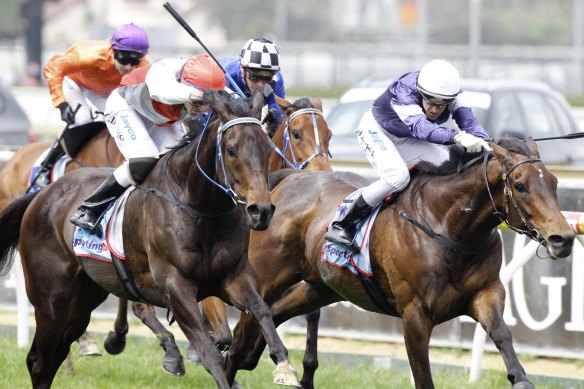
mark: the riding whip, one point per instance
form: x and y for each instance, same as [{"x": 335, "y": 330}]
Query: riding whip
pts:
[{"x": 192, "y": 33}]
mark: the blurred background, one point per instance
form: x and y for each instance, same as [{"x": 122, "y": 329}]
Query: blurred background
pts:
[{"x": 328, "y": 44}]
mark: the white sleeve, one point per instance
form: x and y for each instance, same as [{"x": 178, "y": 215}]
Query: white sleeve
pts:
[{"x": 162, "y": 83}]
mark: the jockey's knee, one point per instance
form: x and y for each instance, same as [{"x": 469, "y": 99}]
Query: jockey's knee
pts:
[{"x": 140, "y": 167}]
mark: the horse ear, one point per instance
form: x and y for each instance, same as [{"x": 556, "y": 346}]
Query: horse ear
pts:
[
  {"x": 283, "y": 103},
  {"x": 534, "y": 152},
  {"x": 216, "y": 102},
  {"x": 316, "y": 103},
  {"x": 258, "y": 103},
  {"x": 498, "y": 151}
]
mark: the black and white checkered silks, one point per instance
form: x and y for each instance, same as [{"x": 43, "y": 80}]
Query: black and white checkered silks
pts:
[{"x": 260, "y": 54}]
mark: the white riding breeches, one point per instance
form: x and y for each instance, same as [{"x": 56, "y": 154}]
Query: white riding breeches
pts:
[
  {"x": 390, "y": 156},
  {"x": 135, "y": 135},
  {"x": 89, "y": 105}
]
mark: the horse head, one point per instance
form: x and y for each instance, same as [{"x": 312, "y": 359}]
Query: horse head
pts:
[
  {"x": 243, "y": 153},
  {"x": 527, "y": 201},
  {"x": 303, "y": 136}
]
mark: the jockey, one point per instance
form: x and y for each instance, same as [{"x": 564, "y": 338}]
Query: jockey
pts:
[
  {"x": 145, "y": 115},
  {"x": 258, "y": 65},
  {"x": 81, "y": 80},
  {"x": 404, "y": 127}
]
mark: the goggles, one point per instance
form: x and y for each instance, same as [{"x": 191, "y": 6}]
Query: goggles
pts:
[
  {"x": 128, "y": 57},
  {"x": 255, "y": 77},
  {"x": 435, "y": 101}
]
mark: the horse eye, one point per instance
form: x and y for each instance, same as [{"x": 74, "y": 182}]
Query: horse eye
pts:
[
  {"x": 230, "y": 151},
  {"x": 519, "y": 187},
  {"x": 295, "y": 134}
]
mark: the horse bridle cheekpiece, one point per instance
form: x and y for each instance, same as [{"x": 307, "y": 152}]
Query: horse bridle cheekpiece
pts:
[
  {"x": 503, "y": 217},
  {"x": 318, "y": 148},
  {"x": 219, "y": 158}
]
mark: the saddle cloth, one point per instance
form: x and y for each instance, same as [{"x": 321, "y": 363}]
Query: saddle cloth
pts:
[
  {"x": 86, "y": 243},
  {"x": 339, "y": 255},
  {"x": 57, "y": 171}
]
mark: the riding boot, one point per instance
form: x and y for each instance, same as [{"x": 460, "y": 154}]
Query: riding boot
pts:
[
  {"x": 44, "y": 175},
  {"x": 344, "y": 230},
  {"x": 92, "y": 209}
]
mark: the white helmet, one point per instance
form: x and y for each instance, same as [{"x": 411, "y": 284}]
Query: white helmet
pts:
[
  {"x": 260, "y": 54},
  {"x": 439, "y": 79}
]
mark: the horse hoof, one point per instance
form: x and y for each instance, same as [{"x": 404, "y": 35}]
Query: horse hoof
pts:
[
  {"x": 193, "y": 355},
  {"x": 114, "y": 344},
  {"x": 174, "y": 367},
  {"x": 88, "y": 347},
  {"x": 285, "y": 374},
  {"x": 523, "y": 385}
]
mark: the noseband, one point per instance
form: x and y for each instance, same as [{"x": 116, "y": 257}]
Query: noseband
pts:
[
  {"x": 503, "y": 216},
  {"x": 318, "y": 148}
]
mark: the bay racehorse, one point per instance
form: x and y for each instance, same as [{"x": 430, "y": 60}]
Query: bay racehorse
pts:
[
  {"x": 435, "y": 253},
  {"x": 186, "y": 231},
  {"x": 301, "y": 142}
]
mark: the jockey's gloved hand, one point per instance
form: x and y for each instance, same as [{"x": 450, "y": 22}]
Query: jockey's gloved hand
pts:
[
  {"x": 67, "y": 114},
  {"x": 472, "y": 143}
]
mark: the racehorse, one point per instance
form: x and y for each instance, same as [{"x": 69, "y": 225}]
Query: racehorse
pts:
[
  {"x": 186, "y": 231},
  {"x": 435, "y": 254},
  {"x": 301, "y": 143}
]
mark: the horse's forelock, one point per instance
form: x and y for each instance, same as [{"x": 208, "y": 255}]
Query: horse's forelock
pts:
[{"x": 303, "y": 102}]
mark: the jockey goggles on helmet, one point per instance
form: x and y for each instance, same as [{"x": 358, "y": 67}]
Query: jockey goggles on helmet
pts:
[
  {"x": 435, "y": 101},
  {"x": 128, "y": 57}
]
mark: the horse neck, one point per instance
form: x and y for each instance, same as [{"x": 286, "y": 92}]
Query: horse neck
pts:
[
  {"x": 192, "y": 187},
  {"x": 457, "y": 205}
]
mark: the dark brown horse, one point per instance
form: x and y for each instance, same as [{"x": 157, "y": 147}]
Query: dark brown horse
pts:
[
  {"x": 435, "y": 253},
  {"x": 186, "y": 231},
  {"x": 301, "y": 142}
]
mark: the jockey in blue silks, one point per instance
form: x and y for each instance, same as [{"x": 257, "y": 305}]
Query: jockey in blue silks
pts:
[{"x": 258, "y": 65}]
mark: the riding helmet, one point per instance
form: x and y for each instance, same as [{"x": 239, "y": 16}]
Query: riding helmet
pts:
[
  {"x": 261, "y": 54},
  {"x": 439, "y": 79}
]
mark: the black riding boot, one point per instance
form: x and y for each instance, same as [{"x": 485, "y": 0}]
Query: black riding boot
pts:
[
  {"x": 91, "y": 210},
  {"x": 44, "y": 175},
  {"x": 344, "y": 230}
]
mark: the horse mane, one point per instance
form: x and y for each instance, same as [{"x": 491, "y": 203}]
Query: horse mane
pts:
[
  {"x": 458, "y": 157},
  {"x": 238, "y": 106},
  {"x": 275, "y": 177}
]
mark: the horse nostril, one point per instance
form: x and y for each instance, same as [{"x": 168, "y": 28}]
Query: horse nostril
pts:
[
  {"x": 253, "y": 210},
  {"x": 560, "y": 240}
]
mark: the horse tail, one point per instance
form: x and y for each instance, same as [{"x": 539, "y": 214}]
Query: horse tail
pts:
[{"x": 10, "y": 221}]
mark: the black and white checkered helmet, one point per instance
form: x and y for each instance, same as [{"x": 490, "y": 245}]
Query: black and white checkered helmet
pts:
[{"x": 260, "y": 53}]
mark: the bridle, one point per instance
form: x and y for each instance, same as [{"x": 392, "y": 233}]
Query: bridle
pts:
[
  {"x": 318, "y": 148},
  {"x": 529, "y": 231}
]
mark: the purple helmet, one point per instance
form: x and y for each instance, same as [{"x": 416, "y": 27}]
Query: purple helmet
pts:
[{"x": 129, "y": 37}]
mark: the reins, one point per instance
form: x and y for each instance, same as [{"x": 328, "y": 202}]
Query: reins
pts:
[{"x": 453, "y": 245}]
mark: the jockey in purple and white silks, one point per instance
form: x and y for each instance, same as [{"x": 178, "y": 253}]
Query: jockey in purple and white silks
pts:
[
  {"x": 404, "y": 127},
  {"x": 258, "y": 64}
]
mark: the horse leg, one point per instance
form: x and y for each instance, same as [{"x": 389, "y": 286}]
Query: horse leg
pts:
[
  {"x": 180, "y": 292},
  {"x": 215, "y": 314},
  {"x": 301, "y": 298},
  {"x": 88, "y": 346},
  {"x": 115, "y": 341},
  {"x": 173, "y": 360},
  {"x": 487, "y": 309},
  {"x": 417, "y": 328},
  {"x": 244, "y": 296}
]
